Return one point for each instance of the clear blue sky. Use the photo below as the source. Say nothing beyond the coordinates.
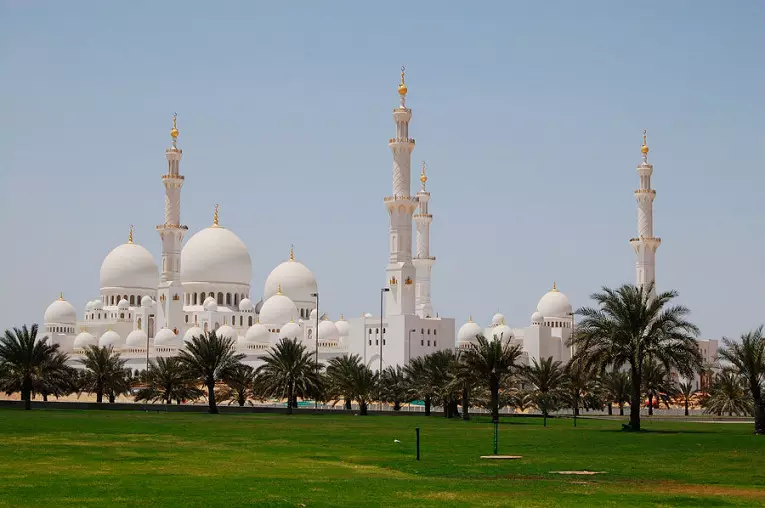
(529, 115)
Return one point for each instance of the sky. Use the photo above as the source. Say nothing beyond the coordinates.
(528, 114)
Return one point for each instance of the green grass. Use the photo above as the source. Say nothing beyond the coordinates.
(117, 458)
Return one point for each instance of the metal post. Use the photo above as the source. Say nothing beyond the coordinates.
(316, 339)
(417, 430)
(496, 425)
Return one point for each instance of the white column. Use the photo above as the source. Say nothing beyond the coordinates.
(645, 244)
(423, 261)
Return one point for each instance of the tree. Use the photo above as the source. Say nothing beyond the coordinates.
(165, 381)
(728, 395)
(208, 358)
(546, 378)
(747, 358)
(442, 367)
(105, 373)
(339, 373)
(422, 385)
(365, 386)
(30, 365)
(579, 383)
(288, 371)
(616, 388)
(685, 390)
(394, 386)
(239, 381)
(492, 361)
(467, 382)
(655, 381)
(631, 325)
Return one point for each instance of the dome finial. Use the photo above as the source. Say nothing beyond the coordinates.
(279, 289)
(555, 287)
(174, 130)
(130, 235)
(644, 148)
(60, 295)
(292, 252)
(215, 216)
(470, 318)
(402, 86)
(423, 176)
(342, 317)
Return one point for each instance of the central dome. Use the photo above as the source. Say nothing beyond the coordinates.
(216, 255)
(554, 304)
(129, 266)
(296, 280)
(278, 310)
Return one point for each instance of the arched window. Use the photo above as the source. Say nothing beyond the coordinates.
(122, 315)
(196, 320)
(112, 300)
(202, 298)
(124, 297)
(196, 296)
(428, 331)
(139, 323)
(249, 321)
(236, 299)
(206, 328)
(370, 331)
(228, 298)
(187, 318)
(217, 325)
(422, 331)
(434, 332)
(434, 343)
(377, 330)
(241, 320)
(428, 343)
(220, 298)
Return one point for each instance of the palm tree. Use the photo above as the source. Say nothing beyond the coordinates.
(492, 361)
(365, 384)
(208, 358)
(579, 383)
(685, 390)
(239, 381)
(631, 325)
(442, 367)
(394, 386)
(422, 385)
(728, 395)
(747, 358)
(105, 373)
(167, 380)
(29, 364)
(655, 381)
(546, 378)
(339, 374)
(288, 371)
(616, 388)
(467, 382)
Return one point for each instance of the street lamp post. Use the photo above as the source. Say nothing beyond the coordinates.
(382, 335)
(573, 331)
(316, 339)
(409, 358)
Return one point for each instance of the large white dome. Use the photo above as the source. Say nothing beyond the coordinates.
(166, 337)
(192, 332)
(110, 338)
(136, 338)
(129, 266)
(343, 326)
(328, 330)
(60, 311)
(290, 331)
(83, 340)
(278, 310)
(469, 331)
(257, 333)
(226, 332)
(554, 304)
(297, 281)
(501, 332)
(216, 255)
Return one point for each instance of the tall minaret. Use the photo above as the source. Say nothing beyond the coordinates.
(645, 244)
(423, 262)
(401, 272)
(170, 304)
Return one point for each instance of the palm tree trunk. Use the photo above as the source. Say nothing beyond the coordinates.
(99, 394)
(348, 403)
(465, 402)
(759, 415)
(686, 407)
(494, 399)
(290, 389)
(397, 405)
(621, 408)
(241, 399)
(211, 397)
(45, 397)
(453, 408)
(650, 404)
(446, 408)
(26, 394)
(363, 408)
(427, 405)
(635, 400)
(111, 397)
(610, 409)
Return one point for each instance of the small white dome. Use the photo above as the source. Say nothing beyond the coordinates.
(166, 337)
(60, 311)
(469, 331)
(368, 315)
(98, 305)
(192, 332)
(84, 340)
(129, 266)
(278, 310)
(328, 330)
(123, 305)
(497, 319)
(147, 301)
(537, 317)
(89, 306)
(312, 316)
(136, 338)
(210, 304)
(216, 255)
(554, 304)
(343, 327)
(246, 305)
(297, 282)
(110, 338)
(291, 331)
(257, 333)
(227, 332)
(501, 332)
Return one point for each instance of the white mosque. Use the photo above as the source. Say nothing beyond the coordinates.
(146, 311)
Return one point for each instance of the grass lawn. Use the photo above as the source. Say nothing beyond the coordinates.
(100, 458)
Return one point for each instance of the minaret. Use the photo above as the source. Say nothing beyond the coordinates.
(401, 272)
(170, 304)
(645, 244)
(423, 261)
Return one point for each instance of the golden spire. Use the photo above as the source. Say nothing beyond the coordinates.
(130, 235)
(423, 176)
(644, 148)
(60, 295)
(470, 318)
(555, 288)
(292, 252)
(215, 216)
(279, 289)
(342, 317)
(174, 130)
(402, 86)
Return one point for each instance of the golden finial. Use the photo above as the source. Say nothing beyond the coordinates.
(292, 252)
(292, 319)
(130, 235)
(555, 287)
(174, 131)
(470, 318)
(279, 289)
(60, 295)
(342, 317)
(402, 86)
(644, 148)
(423, 176)
(215, 216)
